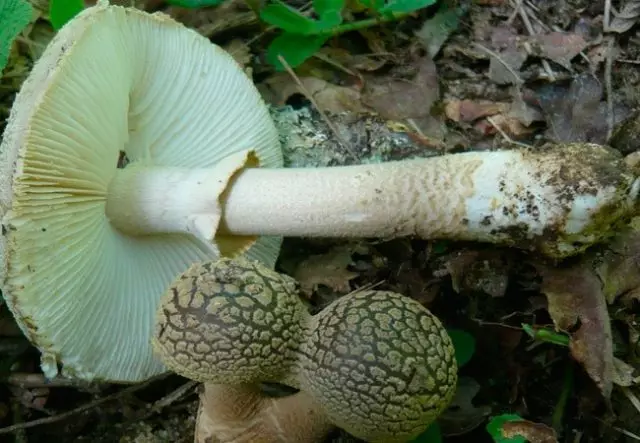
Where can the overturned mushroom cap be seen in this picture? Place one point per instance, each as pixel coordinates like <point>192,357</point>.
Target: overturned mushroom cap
<point>376,363</point>
<point>116,88</point>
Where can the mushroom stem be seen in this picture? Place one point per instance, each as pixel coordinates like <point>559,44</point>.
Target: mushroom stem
<point>553,199</point>
<point>143,199</point>
<point>559,200</point>
<point>231,413</point>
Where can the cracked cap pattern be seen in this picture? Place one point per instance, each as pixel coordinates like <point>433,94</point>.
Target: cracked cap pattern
<point>381,364</point>
<point>230,321</point>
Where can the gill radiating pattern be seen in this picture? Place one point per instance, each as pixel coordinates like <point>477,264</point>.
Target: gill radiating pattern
<point>61,195</point>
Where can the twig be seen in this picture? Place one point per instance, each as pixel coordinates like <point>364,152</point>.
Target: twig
<point>608,67</point>
<point>494,54</point>
<point>328,121</point>
<point>505,135</point>
<point>172,397</point>
<point>81,409</point>
<point>606,21</point>
<point>527,24</point>
<point>29,380</point>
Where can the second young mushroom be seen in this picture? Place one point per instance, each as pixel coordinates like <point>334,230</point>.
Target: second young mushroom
<point>375,363</point>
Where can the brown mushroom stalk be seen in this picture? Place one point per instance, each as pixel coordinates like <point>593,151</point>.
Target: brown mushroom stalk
<point>242,413</point>
<point>558,200</point>
<point>374,363</point>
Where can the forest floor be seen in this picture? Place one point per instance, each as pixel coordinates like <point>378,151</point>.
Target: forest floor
<point>553,343</point>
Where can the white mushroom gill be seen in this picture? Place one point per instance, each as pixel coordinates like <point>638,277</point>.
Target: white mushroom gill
<point>114,81</point>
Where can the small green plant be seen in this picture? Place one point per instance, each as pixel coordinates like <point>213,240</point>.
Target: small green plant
<point>546,335</point>
<point>15,15</point>
<point>301,36</point>
<point>464,344</point>
<point>61,11</point>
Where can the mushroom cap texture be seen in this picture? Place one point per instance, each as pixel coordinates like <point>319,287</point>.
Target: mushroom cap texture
<point>231,321</point>
<point>380,364</point>
<point>113,81</point>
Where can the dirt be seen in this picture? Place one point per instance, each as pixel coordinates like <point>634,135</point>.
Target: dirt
<point>500,79</point>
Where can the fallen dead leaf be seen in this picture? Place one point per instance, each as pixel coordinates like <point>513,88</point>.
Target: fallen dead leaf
<point>484,271</point>
<point>623,373</point>
<point>470,110</point>
<point>559,47</point>
<point>510,126</point>
<point>577,112</point>
<point>462,416</point>
<point>400,99</point>
<point>626,17</point>
<point>329,269</point>
<point>619,266</point>
<point>240,52</point>
<point>533,432</point>
<point>577,303</point>
<point>508,56</point>
<point>329,97</point>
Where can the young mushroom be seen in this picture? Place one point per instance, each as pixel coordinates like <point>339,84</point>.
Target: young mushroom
<point>374,363</point>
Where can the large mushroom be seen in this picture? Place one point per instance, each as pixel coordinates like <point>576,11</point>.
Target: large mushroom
<point>118,89</point>
<point>374,363</point>
<point>136,147</point>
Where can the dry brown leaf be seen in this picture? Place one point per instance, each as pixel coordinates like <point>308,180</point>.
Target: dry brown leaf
<point>577,112</point>
<point>240,52</point>
<point>619,267</point>
<point>329,97</point>
<point>510,56</point>
<point>399,99</point>
<point>470,110</point>
<point>533,432</point>
<point>229,16</point>
<point>484,271</point>
<point>510,126</point>
<point>523,111</point>
<point>623,373</point>
<point>578,297</point>
<point>357,62</point>
<point>577,302</point>
<point>626,18</point>
<point>559,47</point>
<point>329,269</point>
<point>463,415</point>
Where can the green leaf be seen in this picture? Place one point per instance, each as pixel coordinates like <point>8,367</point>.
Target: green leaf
<point>494,428</point>
<point>294,48</point>
<point>404,6</point>
<point>431,435</point>
<point>547,335</point>
<point>328,20</point>
<point>287,18</point>
<point>193,4</point>
<point>464,345</point>
<point>61,11</point>
<point>327,7</point>
<point>15,15</point>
